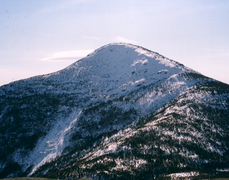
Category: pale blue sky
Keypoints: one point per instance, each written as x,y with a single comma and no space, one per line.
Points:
43,36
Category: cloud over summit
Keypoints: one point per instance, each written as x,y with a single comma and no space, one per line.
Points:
67,55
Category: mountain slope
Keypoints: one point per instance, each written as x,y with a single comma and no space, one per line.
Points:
121,111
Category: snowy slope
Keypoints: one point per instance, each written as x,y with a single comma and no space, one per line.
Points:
91,109
111,71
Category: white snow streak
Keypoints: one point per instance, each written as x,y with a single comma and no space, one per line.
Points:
53,143
183,175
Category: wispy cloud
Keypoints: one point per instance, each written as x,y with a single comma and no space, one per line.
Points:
58,6
116,39
67,55
125,40
93,38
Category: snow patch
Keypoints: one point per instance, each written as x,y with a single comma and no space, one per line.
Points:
53,143
143,62
183,175
222,170
110,149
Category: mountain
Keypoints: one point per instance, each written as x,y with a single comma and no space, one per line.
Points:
122,112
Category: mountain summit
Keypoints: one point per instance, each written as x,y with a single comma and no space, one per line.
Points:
122,112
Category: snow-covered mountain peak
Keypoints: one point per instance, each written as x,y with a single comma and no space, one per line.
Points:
120,62
116,68
110,72
125,54
122,105
123,63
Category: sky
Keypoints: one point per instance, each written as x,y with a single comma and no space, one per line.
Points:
40,37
